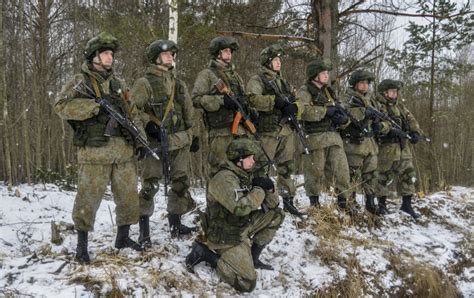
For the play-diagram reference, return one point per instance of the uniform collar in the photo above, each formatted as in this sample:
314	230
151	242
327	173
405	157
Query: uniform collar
158	70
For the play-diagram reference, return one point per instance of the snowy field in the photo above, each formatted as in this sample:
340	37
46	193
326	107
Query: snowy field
325	255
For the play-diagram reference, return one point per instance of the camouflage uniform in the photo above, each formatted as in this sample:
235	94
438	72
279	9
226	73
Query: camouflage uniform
359	140
277	136
326	158
395	158
101	158
205	96
151	94
236	224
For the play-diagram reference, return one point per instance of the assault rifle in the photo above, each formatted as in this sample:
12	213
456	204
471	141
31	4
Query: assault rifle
116	118
164	149
241	115
299	130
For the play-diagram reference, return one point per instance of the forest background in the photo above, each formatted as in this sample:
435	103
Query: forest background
42	43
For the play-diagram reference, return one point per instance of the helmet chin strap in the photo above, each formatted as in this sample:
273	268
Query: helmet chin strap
101	64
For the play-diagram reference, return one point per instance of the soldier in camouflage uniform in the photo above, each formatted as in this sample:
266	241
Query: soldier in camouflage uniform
273	125
359	137
165	101
219	109
242	217
102	158
395	157
321	118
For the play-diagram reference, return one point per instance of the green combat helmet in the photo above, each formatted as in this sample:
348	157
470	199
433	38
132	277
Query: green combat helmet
316	66
102	41
268	53
360	75
222	42
240	148
159	46
389	84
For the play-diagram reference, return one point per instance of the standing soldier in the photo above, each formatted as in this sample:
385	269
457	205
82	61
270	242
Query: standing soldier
242	217
395	157
102	156
168	113
273	97
359	140
321	118
220	105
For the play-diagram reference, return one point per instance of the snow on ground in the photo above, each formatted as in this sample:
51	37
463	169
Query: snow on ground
305	262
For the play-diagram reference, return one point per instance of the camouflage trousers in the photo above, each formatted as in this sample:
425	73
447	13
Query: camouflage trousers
401	175
363	172
235	265
92	183
326	164
179	198
281	150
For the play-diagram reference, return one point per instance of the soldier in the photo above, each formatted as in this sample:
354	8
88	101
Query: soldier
273	97
167	107
359	142
321	118
102	158
395	157
242	217
219	108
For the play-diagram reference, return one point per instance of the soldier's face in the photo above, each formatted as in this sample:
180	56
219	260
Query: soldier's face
322	77
392	93
165	58
362	86
225	55
104	60
276	64
248	163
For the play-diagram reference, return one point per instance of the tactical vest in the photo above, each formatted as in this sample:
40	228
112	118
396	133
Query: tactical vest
318	99
223	117
269	121
174	121
355	133
91	132
223	226
394	113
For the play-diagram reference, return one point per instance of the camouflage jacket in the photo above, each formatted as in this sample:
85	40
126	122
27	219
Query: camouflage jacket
179	121
71	105
262	98
395	148
315	102
205	96
230	201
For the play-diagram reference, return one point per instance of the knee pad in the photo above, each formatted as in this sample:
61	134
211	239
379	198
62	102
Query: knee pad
409	176
180	185
287	169
149	188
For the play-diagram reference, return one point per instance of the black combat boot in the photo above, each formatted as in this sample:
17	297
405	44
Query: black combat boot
288	206
123	241
198	254
144	238
314	201
406	206
178	229
383	205
82	255
256	251
370	204
342	204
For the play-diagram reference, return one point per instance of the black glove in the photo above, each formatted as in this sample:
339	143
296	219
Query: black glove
330	110
339	118
376	127
290	110
140	152
229	103
194	144
370	114
415	137
395	132
153	131
280	103
263	182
